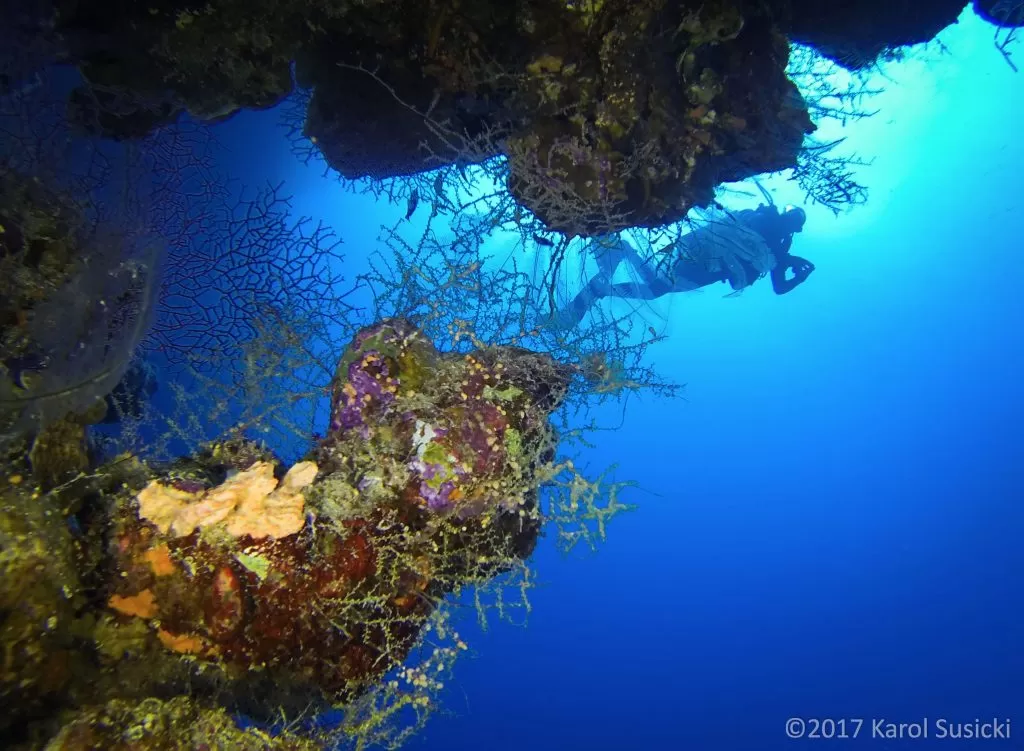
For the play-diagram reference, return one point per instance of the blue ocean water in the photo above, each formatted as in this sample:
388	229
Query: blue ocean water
830	523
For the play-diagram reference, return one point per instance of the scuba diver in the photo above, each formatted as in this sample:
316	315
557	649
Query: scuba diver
738	248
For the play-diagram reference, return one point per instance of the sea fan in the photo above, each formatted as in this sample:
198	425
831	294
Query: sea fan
80	337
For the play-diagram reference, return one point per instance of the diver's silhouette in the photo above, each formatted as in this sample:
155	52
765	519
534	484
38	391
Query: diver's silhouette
739	249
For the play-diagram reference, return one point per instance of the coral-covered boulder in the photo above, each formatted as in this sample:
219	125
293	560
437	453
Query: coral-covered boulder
317	579
451	432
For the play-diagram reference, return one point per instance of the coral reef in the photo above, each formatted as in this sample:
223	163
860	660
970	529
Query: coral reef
856	34
150	590
178	723
40	593
610	114
261	589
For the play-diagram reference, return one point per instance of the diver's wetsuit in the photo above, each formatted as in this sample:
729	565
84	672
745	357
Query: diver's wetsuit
688	274
765	220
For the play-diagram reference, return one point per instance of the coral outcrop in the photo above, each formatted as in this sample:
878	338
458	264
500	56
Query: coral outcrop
259	588
610	113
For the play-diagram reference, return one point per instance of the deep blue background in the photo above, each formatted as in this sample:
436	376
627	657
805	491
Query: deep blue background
830	524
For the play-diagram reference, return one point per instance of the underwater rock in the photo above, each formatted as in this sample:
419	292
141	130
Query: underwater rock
178	723
611	114
667	102
854	34
362	130
147	64
464	426
1007	14
40	594
268	588
239	602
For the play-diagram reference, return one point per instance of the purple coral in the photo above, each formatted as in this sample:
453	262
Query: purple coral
438	499
438	481
390	331
367	377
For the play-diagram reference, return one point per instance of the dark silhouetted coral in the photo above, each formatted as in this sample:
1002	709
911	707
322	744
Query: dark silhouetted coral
610	113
